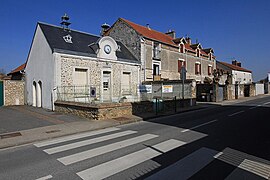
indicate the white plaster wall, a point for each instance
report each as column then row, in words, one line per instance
column 242, row 77
column 259, row 89
column 40, row 67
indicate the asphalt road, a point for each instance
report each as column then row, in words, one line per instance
column 221, row 142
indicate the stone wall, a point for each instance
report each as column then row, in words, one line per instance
column 14, row 92
column 115, row 110
column 94, row 112
column 128, row 36
column 252, row 89
column 95, row 69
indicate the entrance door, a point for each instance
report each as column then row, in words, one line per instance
column 236, row 91
column 106, row 86
column 1, row 93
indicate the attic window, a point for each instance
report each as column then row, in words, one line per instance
column 119, row 48
column 68, row 38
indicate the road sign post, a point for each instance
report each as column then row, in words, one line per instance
column 183, row 78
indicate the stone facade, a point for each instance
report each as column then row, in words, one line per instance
column 131, row 39
column 95, row 69
column 116, row 110
column 95, row 112
column 142, row 48
column 14, row 92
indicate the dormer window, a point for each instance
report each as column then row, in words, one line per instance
column 182, row 48
column 198, row 52
column 156, row 50
column 68, row 38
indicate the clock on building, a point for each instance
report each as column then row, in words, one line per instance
column 107, row 49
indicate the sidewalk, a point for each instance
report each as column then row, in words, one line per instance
column 27, row 136
column 67, row 128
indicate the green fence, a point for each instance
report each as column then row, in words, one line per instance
column 1, row 93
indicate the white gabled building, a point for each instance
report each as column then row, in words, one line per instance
column 239, row 75
column 61, row 58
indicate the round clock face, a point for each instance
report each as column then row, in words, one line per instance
column 107, row 49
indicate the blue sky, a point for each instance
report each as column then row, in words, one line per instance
column 234, row 29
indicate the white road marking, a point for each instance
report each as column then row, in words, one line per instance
column 236, row 113
column 218, row 154
column 247, row 168
column 257, row 168
column 45, row 177
column 250, row 164
column 87, row 142
column 266, row 103
column 186, row 167
column 120, row 164
column 104, row 149
column 186, row 130
column 75, row 136
column 255, row 107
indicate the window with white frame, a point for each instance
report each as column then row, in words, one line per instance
column 80, row 76
column 210, row 70
column 156, row 68
column 156, row 50
column 181, row 63
column 197, row 68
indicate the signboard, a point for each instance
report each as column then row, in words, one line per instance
column 167, row 88
column 145, row 88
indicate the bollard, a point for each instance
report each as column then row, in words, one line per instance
column 156, row 106
column 175, row 108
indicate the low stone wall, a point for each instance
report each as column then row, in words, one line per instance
column 14, row 92
column 229, row 92
column 96, row 111
column 115, row 110
column 252, row 90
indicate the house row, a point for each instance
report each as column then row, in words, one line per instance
column 163, row 54
column 70, row 65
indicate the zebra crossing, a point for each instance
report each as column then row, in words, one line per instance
column 182, row 169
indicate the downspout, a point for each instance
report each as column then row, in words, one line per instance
column 144, row 53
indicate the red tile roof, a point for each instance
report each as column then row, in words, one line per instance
column 20, row 68
column 187, row 46
column 150, row 33
column 234, row 67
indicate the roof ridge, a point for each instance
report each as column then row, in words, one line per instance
column 147, row 28
column 235, row 66
column 39, row 22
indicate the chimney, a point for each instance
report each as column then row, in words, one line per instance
column 171, row 33
column 148, row 26
column 234, row 62
column 104, row 28
column 188, row 39
column 238, row 64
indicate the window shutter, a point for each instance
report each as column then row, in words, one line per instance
column 179, row 66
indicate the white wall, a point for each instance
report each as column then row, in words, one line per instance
column 242, row 77
column 40, row 67
column 259, row 89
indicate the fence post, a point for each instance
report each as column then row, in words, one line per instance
column 156, row 106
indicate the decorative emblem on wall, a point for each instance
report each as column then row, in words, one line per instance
column 68, row 38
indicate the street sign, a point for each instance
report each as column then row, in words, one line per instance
column 167, row 88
